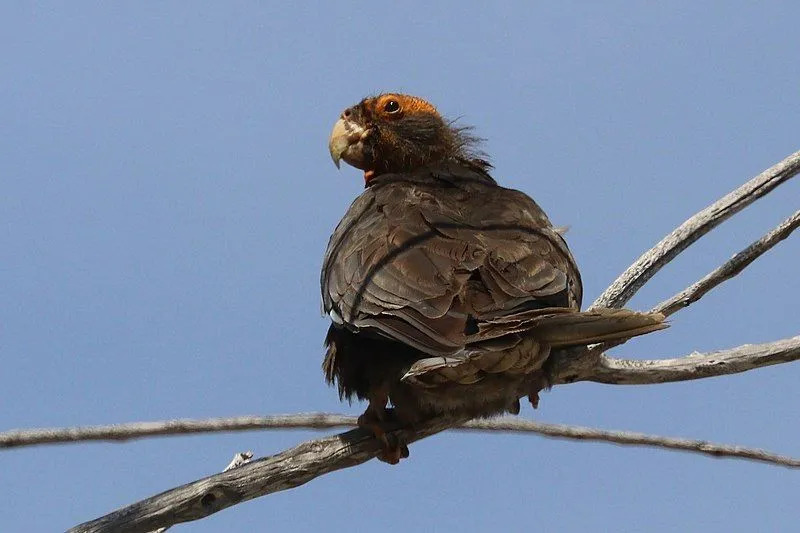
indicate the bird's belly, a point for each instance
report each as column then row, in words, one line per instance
column 370, row 366
column 493, row 395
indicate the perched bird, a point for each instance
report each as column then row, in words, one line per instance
column 446, row 291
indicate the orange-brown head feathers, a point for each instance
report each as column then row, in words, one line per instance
column 394, row 106
column 397, row 133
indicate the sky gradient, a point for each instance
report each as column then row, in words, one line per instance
column 168, row 196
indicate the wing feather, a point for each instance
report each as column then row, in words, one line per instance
column 421, row 259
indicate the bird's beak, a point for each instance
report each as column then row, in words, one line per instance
column 345, row 142
column 338, row 142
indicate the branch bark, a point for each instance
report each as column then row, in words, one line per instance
column 569, row 365
column 610, row 371
column 730, row 268
column 283, row 471
column 311, row 459
column 696, row 365
column 644, row 268
column 314, row 458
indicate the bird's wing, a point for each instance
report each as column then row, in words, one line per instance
column 426, row 259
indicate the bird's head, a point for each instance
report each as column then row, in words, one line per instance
column 398, row 133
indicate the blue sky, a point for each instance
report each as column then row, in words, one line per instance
column 168, row 196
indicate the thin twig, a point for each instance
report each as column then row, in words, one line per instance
column 731, row 268
column 239, row 459
column 497, row 425
column 630, row 281
column 187, row 426
column 559, row 431
column 607, row 369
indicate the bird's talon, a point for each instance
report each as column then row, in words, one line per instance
column 533, row 397
column 392, row 453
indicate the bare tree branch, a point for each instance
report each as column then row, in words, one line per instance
column 137, row 430
column 731, row 268
column 238, row 460
column 612, row 371
column 314, row 458
column 567, row 366
column 697, row 365
column 260, row 477
column 559, row 431
column 630, row 281
column 311, row 459
column 575, row 364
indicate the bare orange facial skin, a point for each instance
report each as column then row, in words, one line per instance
column 384, row 107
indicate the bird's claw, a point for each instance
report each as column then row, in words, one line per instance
column 539, row 382
column 392, row 450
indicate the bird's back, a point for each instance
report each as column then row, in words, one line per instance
column 424, row 257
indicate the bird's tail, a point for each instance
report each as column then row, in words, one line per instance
column 520, row 343
column 599, row 325
column 561, row 327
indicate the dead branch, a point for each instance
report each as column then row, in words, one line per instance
column 238, row 460
column 137, row 430
column 260, row 477
column 314, row 458
column 695, row 365
column 120, row 432
column 569, row 365
column 611, row 371
column 644, row 268
column 559, row 431
column 311, row 459
column 731, row 268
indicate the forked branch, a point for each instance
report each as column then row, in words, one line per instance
column 635, row 276
column 611, row 371
column 315, row 458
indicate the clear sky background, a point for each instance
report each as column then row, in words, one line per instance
column 167, row 196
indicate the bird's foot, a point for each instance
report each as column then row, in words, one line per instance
column 537, row 383
column 392, row 448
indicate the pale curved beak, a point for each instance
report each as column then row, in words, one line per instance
column 345, row 140
column 338, row 143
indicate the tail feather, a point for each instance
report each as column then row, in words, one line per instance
column 587, row 327
column 519, row 344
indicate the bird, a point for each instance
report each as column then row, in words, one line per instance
column 446, row 291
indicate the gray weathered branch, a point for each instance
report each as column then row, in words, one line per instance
column 314, row 458
column 238, row 460
column 611, row 370
column 286, row 470
column 644, row 268
column 730, row 268
column 311, row 459
column 571, row 364
column 696, row 365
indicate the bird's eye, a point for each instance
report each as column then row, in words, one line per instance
column 392, row 106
